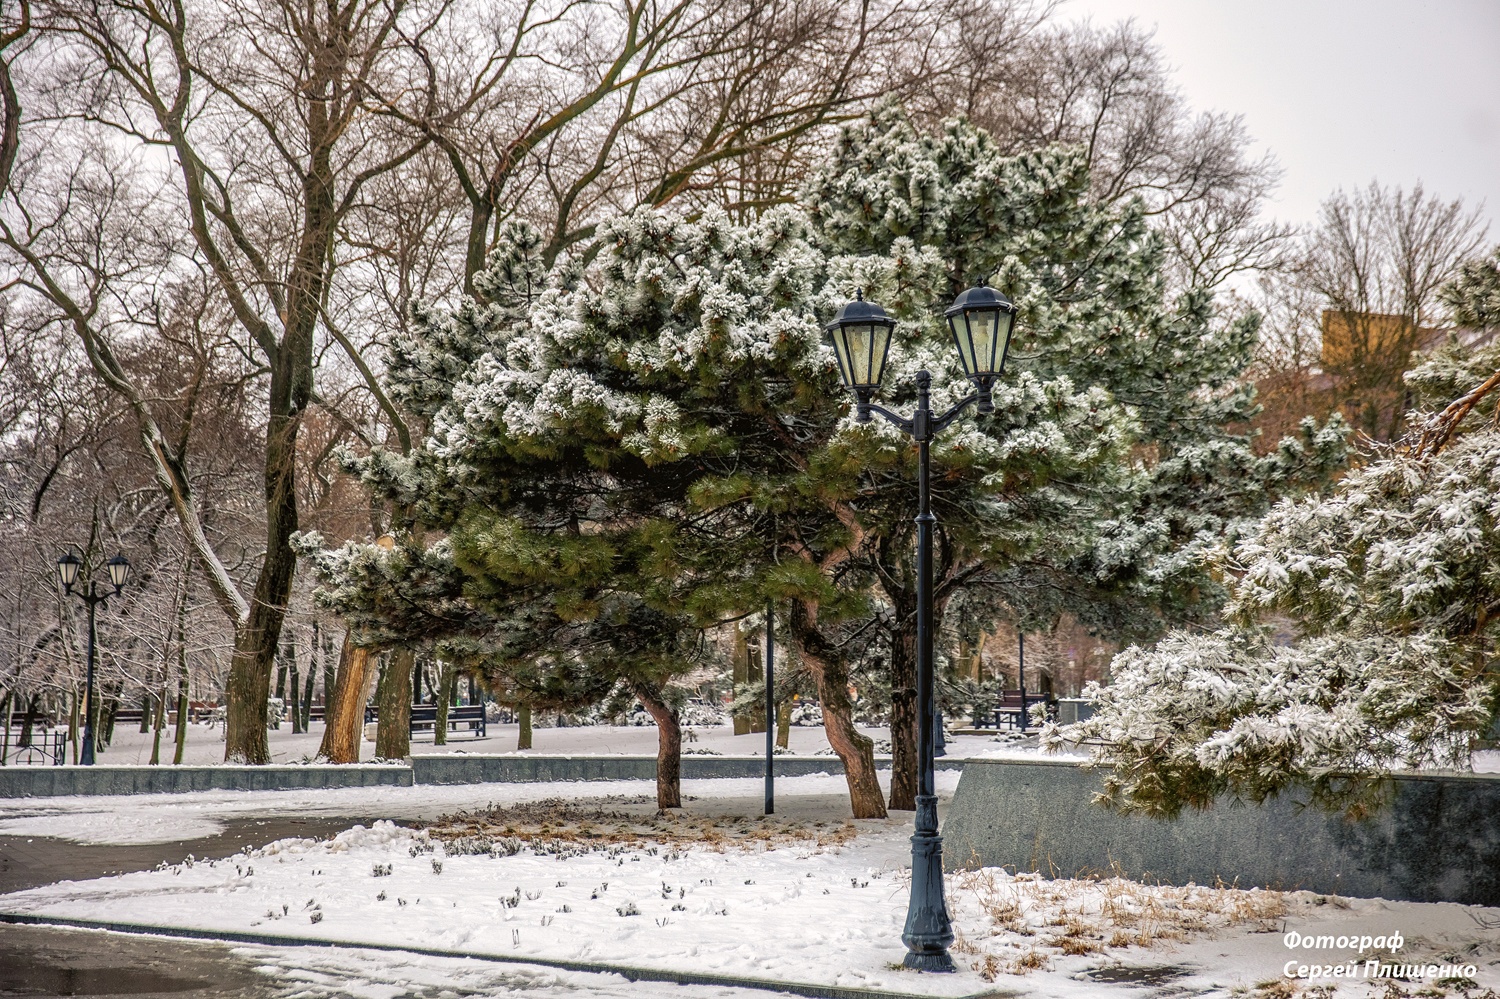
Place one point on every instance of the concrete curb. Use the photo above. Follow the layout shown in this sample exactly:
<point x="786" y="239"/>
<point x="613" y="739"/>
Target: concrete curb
<point x="633" y="974"/>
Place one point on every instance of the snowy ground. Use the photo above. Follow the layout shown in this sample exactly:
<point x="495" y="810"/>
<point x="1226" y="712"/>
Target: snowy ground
<point x="807" y="897"/>
<point x="205" y="744"/>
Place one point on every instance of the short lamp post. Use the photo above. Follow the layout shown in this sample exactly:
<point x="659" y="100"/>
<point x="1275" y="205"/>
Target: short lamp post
<point x="67" y="574"/>
<point x="981" y="320"/>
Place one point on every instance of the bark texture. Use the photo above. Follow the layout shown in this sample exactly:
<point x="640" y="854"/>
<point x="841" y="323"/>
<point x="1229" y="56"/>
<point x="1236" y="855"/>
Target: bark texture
<point x="904" y="702"/>
<point x="345" y="712"/>
<point x="393" y="730"/>
<point x="668" y="747"/>
<point x="855" y="750"/>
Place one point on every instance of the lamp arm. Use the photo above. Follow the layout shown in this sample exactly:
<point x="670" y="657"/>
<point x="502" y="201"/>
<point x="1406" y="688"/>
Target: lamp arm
<point x="939" y="423"/>
<point x="901" y="423"/>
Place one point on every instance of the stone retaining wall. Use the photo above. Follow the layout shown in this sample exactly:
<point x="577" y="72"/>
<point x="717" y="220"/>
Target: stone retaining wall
<point x="457" y="768"/>
<point x="475" y="769"/>
<point x="1438" y="841"/>
<point x="27" y="782"/>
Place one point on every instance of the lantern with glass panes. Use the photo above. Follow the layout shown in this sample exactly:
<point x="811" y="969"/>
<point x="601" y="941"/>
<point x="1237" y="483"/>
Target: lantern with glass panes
<point x="981" y="321"/>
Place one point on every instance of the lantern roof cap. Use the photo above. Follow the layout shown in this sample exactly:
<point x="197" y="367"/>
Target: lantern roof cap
<point x="858" y="311"/>
<point x="981" y="296"/>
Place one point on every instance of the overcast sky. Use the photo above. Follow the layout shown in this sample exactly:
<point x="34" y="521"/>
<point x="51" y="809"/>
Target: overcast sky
<point x="1343" y="91"/>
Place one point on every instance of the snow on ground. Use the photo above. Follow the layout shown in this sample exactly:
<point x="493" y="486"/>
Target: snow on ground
<point x="169" y="818"/>
<point x="790" y="899"/>
<point x="205" y="743"/>
<point x="321" y="973"/>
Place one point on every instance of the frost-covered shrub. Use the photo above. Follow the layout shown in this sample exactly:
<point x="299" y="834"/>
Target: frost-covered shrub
<point x="1394" y="580"/>
<point x="807" y="713"/>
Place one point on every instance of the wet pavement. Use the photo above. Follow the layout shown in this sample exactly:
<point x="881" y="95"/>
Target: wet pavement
<point x="46" y="961"/>
<point x="32" y="861"/>
<point x="49" y="961"/>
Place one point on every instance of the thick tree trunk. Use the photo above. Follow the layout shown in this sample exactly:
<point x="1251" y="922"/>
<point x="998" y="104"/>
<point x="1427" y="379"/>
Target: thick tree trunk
<point x="523" y="715"/>
<point x="447" y="675"/>
<point x="344" y="714"/>
<point x="668" y="747"/>
<point x="784" y="725"/>
<point x="903" y="702"/>
<point x="393" y="729"/>
<point x="145" y="711"/>
<point x="856" y="751"/>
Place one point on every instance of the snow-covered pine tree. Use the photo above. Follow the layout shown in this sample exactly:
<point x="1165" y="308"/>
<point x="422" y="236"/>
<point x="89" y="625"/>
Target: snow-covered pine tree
<point x="1124" y="537"/>
<point x="1393" y="583"/>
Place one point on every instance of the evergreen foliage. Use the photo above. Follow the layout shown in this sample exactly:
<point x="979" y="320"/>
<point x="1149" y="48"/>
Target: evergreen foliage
<point x="654" y="441"/>
<point x="1392" y="582"/>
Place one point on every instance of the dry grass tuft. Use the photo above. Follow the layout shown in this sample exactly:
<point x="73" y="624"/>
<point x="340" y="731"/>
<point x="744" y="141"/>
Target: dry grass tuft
<point x="1079" y="916"/>
<point x="558" y="826"/>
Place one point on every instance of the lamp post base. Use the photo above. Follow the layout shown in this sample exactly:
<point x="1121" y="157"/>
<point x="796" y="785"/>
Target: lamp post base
<point x="938" y="961"/>
<point x="929" y="930"/>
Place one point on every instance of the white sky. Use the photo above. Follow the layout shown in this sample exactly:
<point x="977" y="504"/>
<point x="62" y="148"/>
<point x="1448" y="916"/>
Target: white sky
<point x="1343" y="91"/>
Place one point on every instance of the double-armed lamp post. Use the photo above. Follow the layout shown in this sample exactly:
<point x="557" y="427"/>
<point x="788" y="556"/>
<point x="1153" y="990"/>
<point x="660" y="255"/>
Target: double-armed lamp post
<point x="981" y="320"/>
<point x="67" y="574"/>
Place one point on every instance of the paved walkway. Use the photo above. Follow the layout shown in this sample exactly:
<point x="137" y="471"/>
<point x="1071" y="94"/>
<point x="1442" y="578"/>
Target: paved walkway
<point x="31" y="861"/>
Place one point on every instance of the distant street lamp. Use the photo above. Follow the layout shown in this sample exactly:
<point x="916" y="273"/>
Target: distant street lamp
<point x="67" y="574"/>
<point x="981" y="320"/>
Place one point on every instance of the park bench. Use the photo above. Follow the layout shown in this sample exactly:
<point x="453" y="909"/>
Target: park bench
<point x="1008" y="710"/>
<point x="424" y="716"/>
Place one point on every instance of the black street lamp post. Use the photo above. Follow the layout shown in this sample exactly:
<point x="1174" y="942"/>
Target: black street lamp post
<point x="981" y="320"/>
<point x="119" y="575"/>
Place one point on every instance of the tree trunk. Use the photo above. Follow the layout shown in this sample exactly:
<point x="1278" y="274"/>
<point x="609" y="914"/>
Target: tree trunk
<point x="295" y="705"/>
<point x="756" y="675"/>
<point x="393" y="729"/>
<point x="5" y="703"/>
<point x="307" y="694"/>
<point x="256" y="642"/>
<point x="447" y="676"/>
<point x="28" y="721"/>
<point x="741" y="660"/>
<point x="668" y="747"/>
<point x="784" y="725"/>
<point x="182" y="719"/>
<point x="104" y="720"/>
<point x="344" y="714"/>
<point x="856" y="751"/>
<point x="145" y="710"/>
<point x="161" y="723"/>
<point x="903" y="700"/>
<point x="182" y="680"/>
<point x="73" y="696"/>
<point x="523" y="715"/>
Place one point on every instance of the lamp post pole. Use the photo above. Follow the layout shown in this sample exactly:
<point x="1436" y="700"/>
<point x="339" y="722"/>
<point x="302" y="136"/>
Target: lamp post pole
<point x="929" y="929"/>
<point x="93" y="599"/>
<point x="770" y="709"/>
<point x="981" y="321"/>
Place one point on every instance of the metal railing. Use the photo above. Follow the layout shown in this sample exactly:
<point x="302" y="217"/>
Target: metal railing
<point x="44" y="749"/>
